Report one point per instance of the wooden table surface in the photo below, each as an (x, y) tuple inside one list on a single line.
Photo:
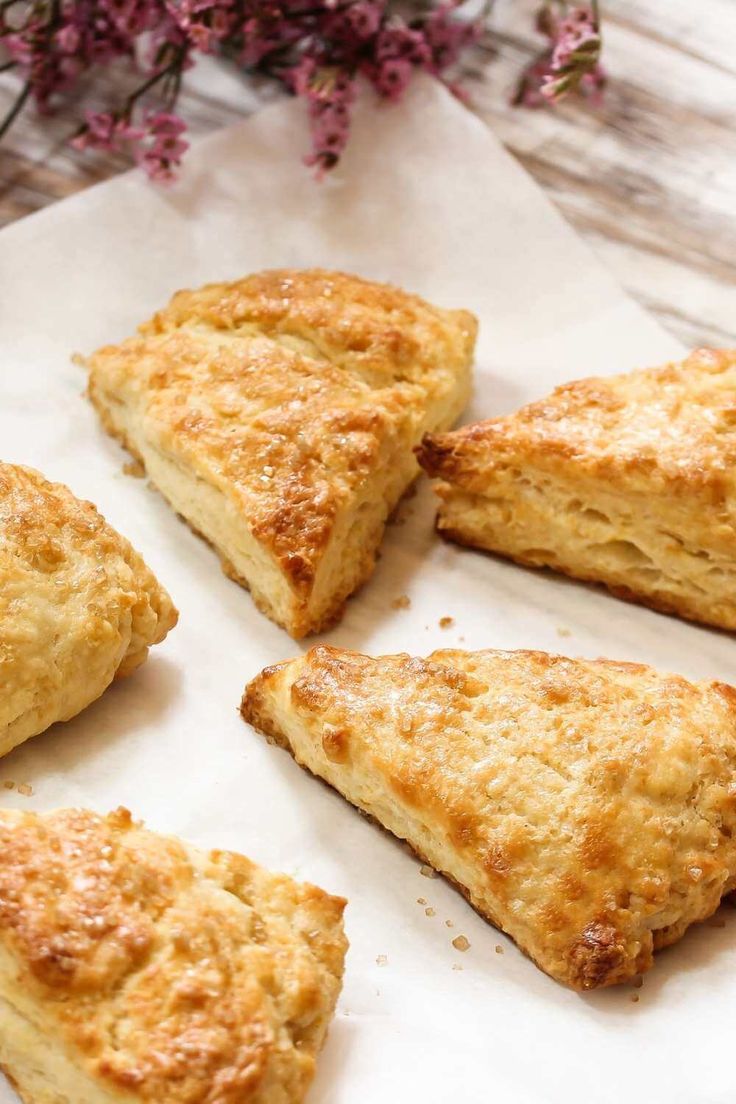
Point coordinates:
[(649, 179)]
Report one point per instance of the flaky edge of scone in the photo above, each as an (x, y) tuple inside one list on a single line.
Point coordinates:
[(44, 1068), (539, 520)]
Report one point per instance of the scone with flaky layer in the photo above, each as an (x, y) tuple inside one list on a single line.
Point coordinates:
[(627, 481), (278, 415), (137, 970), (78, 606), (587, 808)]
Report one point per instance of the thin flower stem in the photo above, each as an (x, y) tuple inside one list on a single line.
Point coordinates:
[(15, 110), (178, 74), (153, 80), (8, 65)]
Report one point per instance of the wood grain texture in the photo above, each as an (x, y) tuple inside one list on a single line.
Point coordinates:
[(649, 179)]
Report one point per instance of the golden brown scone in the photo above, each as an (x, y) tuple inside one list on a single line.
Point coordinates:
[(78, 606), (586, 808), (278, 416), (627, 481), (134, 968)]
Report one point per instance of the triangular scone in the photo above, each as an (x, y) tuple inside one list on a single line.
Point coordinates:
[(278, 415), (78, 606), (587, 808), (137, 970), (627, 481)]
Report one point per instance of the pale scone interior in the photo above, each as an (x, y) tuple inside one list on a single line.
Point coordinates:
[(625, 481), (134, 968), (278, 415)]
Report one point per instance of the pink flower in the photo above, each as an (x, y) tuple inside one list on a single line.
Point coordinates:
[(571, 62), (222, 23), (299, 77), (68, 38), (161, 172), (330, 95), (447, 37), (105, 131), (162, 156), (201, 37), (364, 17), (392, 76), (355, 22), (125, 131), (165, 123), (18, 48), (576, 32), (400, 41), (99, 131)]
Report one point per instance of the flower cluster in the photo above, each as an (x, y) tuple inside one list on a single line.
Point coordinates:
[(156, 142), (318, 49), (571, 61)]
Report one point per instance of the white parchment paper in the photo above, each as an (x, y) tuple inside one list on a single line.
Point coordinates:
[(428, 199)]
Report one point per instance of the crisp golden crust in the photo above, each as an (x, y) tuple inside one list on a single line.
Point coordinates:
[(627, 481), (587, 808), (278, 415), (154, 972), (78, 606)]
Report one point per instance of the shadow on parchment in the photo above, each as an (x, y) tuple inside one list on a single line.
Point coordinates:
[(128, 705)]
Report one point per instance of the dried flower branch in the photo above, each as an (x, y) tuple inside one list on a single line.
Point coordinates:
[(316, 48), (571, 61)]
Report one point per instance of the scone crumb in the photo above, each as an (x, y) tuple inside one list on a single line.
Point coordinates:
[(381, 960), (449, 924), (634, 997), (563, 632), (421, 900), (456, 966), (25, 789), (8, 785), (461, 943), (638, 981), (446, 622), (427, 872), (402, 602), (134, 468), (499, 949), (429, 911)]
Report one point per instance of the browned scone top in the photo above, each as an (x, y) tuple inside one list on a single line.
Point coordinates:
[(587, 808), (627, 480), (78, 605), (134, 968), (278, 414)]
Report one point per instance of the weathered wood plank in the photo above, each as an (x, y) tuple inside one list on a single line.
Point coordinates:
[(650, 178)]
